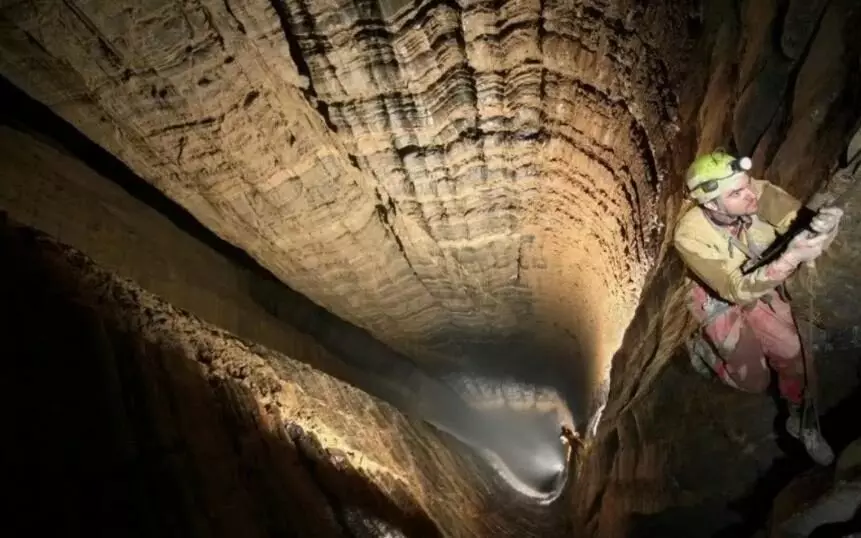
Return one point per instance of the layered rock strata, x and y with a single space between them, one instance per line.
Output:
440 174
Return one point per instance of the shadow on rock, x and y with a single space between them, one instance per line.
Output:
842 529
114 435
746 516
839 425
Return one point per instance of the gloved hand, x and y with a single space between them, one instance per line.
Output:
826 222
806 247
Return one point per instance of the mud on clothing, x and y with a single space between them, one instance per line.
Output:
748 326
750 339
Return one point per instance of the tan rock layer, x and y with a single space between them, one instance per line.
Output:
45 186
422 170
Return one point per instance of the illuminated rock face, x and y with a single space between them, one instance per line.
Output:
446 176
482 186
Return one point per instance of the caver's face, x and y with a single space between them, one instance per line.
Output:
738 201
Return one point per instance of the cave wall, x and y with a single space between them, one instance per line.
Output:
427 171
438 173
46 185
143 425
677 454
143 420
62 184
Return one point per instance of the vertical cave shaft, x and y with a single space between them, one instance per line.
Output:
455 207
450 178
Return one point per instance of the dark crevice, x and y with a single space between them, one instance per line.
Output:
519 264
107 50
250 98
421 9
239 25
182 143
776 29
409 150
188 125
786 93
298 57
215 34
36 43
383 215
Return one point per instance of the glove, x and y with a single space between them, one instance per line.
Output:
806 247
826 222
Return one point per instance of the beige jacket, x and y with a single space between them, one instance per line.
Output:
710 255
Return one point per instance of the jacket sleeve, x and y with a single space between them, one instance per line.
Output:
721 271
776 206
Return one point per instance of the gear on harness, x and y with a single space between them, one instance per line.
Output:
702 356
803 424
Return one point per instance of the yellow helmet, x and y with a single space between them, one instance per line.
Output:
712 174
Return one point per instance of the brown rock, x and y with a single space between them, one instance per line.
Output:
485 187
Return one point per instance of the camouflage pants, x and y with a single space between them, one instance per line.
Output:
745 342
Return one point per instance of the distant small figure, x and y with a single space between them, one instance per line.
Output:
572 438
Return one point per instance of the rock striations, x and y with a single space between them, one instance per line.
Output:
437 172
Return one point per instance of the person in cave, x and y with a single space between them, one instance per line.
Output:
746 325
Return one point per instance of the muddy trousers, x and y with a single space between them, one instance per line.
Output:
750 340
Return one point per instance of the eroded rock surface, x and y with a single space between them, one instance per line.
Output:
677 454
135 232
438 173
481 185
156 423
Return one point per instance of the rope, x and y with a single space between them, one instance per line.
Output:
809 281
808 403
